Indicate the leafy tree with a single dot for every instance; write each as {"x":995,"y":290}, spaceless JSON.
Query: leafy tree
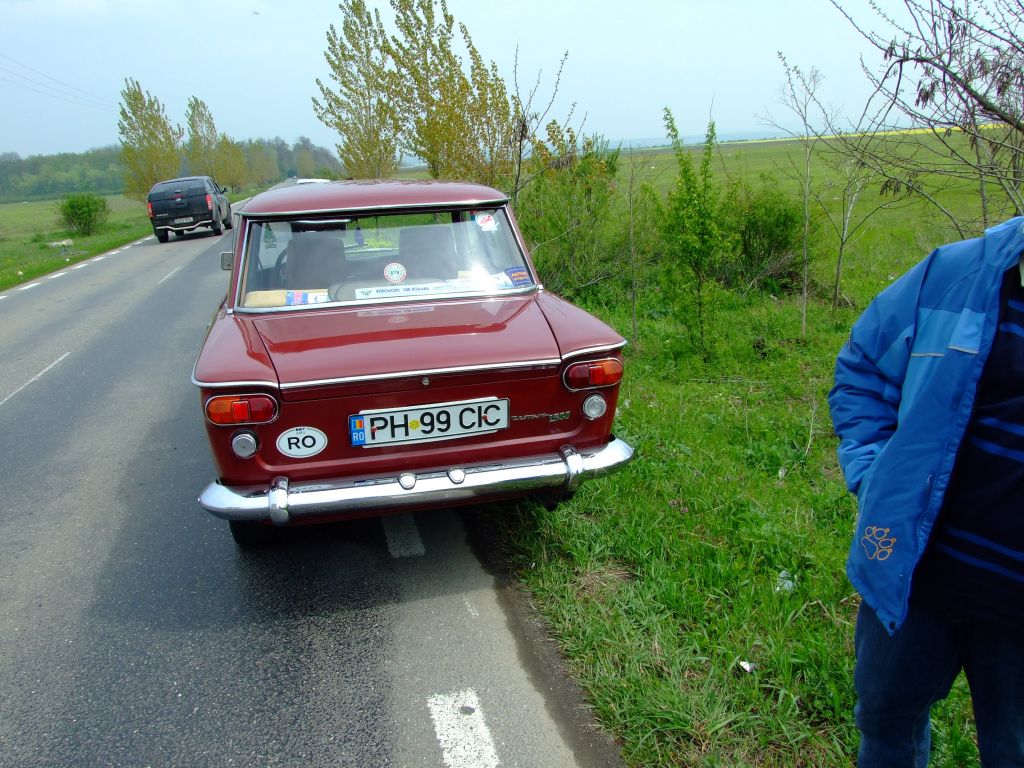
{"x":150,"y":144}
{"x":360,"y":109}
{"x":202,"y":137}
{"x":693,"y":243}
{"x":229,"y":165}
{"x":956,"y":70}
{"x":566,"y":212}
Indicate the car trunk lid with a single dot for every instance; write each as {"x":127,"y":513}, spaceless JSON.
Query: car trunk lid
{"x":390,"y":348}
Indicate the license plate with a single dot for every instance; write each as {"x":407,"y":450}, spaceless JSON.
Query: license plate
{"x":424,"y":423}
{"x":183,"y":220}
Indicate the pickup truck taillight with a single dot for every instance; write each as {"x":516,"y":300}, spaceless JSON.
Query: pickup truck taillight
{"x":209,"y":203}
{"x":149,"y":209}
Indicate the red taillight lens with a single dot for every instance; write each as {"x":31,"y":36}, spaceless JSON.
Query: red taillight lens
{"x":149,"y":209}
{"x":593,"y":373}
{"x":209,"y":203}
{"x":241,"y":409}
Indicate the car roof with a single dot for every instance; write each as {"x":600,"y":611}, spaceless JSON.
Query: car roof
{"x":335,"y":196}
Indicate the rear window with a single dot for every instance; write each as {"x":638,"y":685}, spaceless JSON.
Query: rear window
{"x":374,"y":258}
{"x":167,"y":190}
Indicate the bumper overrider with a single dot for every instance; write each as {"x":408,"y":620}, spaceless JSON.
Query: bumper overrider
{"x":284,"y":501}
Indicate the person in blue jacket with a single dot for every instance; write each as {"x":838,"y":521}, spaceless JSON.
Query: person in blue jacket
{"x":928,"y":404}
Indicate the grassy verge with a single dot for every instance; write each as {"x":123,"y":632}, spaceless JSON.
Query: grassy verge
{"x":27,"y":229}
{"x":699,"y":595}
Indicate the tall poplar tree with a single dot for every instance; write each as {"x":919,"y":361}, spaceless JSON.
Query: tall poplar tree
{"x":202,"y":138}
{"x":150,"y":144}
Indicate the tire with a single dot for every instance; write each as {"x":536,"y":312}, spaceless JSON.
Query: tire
{"x":161,"y":235}
{"x":228,"y":223}
{"x":218,"y":227}
{"x":248,"y":533}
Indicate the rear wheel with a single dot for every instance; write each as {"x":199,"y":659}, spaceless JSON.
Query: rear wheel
{"x":161,"y":235}
{"x":218,"y":227}
{"x":248,"y":533}
{"x":228,"y":224}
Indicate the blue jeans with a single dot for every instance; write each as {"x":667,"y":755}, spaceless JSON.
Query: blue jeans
{"x":899,"y":677}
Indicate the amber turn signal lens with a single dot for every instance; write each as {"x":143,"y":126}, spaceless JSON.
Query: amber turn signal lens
{"x":241,"y":409}
{"x":593,"y":373}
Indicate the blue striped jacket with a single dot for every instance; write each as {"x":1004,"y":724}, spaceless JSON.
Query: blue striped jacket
{"x":904,"y":390}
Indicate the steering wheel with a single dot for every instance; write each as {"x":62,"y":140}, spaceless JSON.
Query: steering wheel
{"x":280,"y":265}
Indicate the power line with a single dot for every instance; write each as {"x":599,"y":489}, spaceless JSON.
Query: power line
{"x":102,"y":108}
{"x":63,"y":90}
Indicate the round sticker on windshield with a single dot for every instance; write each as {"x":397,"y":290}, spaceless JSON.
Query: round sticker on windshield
{"x":301,"y":442}
{"x":394,"y":272}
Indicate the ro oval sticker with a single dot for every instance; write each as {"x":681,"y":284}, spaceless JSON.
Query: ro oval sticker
{"x":301,"y":442}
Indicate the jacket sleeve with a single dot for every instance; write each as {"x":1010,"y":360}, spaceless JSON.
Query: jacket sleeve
{"x":869,"y":375}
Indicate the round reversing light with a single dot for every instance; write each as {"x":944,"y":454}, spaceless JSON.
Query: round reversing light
{"x":594,"y":407}
{"x":244,"y":445}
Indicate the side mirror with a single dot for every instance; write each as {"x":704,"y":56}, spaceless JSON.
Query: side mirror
{"x":227,"y":260}
{"x":223,"y":190}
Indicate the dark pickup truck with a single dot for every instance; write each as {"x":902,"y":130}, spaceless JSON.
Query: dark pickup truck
{"x":182,"y":205}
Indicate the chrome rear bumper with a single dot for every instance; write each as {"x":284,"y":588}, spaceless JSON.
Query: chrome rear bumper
{"x":283,"y":501}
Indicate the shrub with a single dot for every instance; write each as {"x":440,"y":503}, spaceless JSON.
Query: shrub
{"x":84,"y":213}
{"x":767,"y":226}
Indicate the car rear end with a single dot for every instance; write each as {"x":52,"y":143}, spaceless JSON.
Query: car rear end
{"x":180,"y":205}
{"x":409,"y":360}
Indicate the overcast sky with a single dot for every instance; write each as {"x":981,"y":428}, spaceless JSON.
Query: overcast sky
{"x":63,"y":63}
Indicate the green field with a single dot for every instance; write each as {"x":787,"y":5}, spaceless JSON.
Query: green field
{"x":27,"y":229}
{"x":698,"y":595}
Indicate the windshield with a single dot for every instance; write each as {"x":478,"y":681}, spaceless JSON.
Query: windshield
{"x":381,"y":257}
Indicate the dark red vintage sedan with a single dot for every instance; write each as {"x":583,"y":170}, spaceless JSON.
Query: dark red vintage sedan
{"x":387,"y":346}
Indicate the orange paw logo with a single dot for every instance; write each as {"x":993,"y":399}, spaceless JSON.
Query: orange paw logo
{"x":877,"y":543}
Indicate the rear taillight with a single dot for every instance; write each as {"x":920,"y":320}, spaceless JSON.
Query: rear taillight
{"x":241,"y":409}
{"x":149,"y":209}
{"x":593,"y":373}
{"x":209,"y":203}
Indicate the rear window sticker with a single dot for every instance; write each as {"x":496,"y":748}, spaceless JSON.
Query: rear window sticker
{"x":519,"y":276}
{"x":294,"y":298}
{"x":395,"y":272}
{"x":486,"y":222}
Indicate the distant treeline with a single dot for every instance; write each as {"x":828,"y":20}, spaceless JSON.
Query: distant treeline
{"x":102,"y":172}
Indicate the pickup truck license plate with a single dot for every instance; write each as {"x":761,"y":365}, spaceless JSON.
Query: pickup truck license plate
{"x":424,"y":423}
{"x":183,"y":220}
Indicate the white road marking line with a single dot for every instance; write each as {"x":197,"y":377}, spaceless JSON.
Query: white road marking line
{"x":459,"y":724}
{"x":3,"y":297}
{"x":26,"y":287}
{"x":79,"y":266}
{"x":403,"y":536}
{"x":34,"y":378}
{"x":168,"y":275}
{"x":98,"y":258}
{"x":56,"y":275}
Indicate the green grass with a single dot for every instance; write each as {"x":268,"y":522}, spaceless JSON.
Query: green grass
{"x":26,"y":229}
{"x":659,"y":582}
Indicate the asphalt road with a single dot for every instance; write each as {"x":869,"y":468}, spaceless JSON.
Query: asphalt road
{"x":134,"y":633}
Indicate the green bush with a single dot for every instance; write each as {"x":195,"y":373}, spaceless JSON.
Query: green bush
{"x":767,"y":226}
{"x":83,"y":214}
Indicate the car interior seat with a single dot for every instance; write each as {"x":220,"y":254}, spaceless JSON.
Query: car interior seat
{"x":315,"y":262}
{"x":428,"y":251}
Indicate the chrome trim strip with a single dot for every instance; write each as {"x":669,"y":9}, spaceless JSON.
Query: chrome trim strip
{"x":424,"y":372}
{"x":282,"y":501}
{"x":370,"y":209}
{"x":226,"y":384}
{"x":593,"y":350}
